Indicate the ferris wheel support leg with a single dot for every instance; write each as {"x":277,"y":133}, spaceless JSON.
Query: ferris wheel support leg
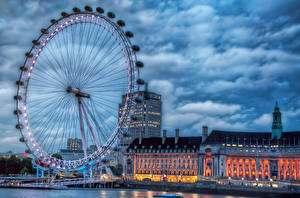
{"x":82,"y":127}
{"x":90,"y":127}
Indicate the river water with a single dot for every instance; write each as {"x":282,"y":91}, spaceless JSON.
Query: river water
{"x":28,"y":193}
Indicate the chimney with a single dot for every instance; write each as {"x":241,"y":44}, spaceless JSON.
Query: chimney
{"x":164,"y":136}
{"x":204,"y":133}
{"x":176,"y":135}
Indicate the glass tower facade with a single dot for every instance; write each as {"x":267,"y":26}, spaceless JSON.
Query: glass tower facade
{"x":146,"y":118}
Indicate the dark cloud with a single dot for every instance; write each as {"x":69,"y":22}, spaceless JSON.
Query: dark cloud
{"x":199,"y":55}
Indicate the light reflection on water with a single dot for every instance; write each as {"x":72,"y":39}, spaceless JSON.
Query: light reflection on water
{"x":28,"y":193}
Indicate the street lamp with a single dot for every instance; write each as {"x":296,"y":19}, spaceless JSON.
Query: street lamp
{"x":271,"y":180}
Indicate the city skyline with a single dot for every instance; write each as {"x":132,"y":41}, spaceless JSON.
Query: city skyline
{"x":217,"y":64}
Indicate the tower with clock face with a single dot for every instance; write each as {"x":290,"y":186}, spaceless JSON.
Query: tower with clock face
{"x":277,"y":124}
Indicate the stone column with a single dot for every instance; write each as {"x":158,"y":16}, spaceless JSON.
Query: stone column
{"x":244,"y":168}
{"x":269,"y":173}
{"x":257,"y":168}
{"x":238,"y":168}
{"x":232,"y":163}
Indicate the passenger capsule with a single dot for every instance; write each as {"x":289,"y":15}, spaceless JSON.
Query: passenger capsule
{"x":53,"y":21}
{"x":28,"y":54}
{"x":64,"y":14}
{"x":111,"y":15}
{"x":129,"y":34}
{"x":22,"y":139}
{"x":19,"y":82}
{"x":88,"y":8}
{"x":23,"y":68}
{"x":139,"y":64}
{"x":17,"y":112}
{"x":140,"y":81}
{"x":135,"y":48}
{"x":44,"y":31}
{"x":36,"y":42}
{"x":19,"y":126}
{"x":17,"y":97}
{"x":121,"y":23}
{"x":100,"y":10}
{"x":76,"y":10}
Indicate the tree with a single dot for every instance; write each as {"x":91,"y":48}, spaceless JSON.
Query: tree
{"x":2,"y":166}
{"x":24,"y":170}
{"x":27,"y":163}
{"x":57,"y":156}
{"x":13,"y":165}
{"x":117,"y":170}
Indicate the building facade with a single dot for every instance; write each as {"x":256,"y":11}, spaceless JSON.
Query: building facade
{"x":74,"y":144}
{"x":146,"y":118}
{"x":170,"y":159}
{"x":221,"y":154}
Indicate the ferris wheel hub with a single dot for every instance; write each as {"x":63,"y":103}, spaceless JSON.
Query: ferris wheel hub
{"x":77,"y":92}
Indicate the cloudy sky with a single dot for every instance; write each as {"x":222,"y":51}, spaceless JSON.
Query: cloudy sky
{"x":220,"y":63}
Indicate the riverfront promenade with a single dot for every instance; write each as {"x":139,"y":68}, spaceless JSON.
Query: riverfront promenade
{"x":216,"y":186}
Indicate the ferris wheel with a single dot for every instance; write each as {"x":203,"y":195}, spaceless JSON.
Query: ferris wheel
{"x":71,"y":85}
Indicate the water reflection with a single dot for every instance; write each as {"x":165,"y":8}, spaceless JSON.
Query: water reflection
{"x":26,"y":193}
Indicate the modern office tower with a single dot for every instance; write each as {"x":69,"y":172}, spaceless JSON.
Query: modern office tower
{"x":74,"y":144}
{"x":145,"y":120}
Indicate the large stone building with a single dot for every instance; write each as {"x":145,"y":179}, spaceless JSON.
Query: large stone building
{"x":223,"y":154}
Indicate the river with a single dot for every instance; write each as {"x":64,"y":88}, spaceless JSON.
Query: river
{"x":29,"y":193}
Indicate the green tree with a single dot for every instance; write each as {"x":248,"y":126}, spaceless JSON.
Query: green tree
{"x":3,"y":166}
{"x":13,"y":165}
{"x":24,"y":170}
{"x":117,"y":170}
{"x":57,"y":156}
{"x":27,"y":163}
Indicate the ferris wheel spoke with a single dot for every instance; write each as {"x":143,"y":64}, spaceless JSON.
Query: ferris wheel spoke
{"x":58,"y":62}
{"x":61,"y":127}
{"x":94,"y":69}
{"x":98,"y":123}
{"x":95,"y":41}
{"x":107,"y":101}
{"x":45,"y":66}
{"x":52,"y":120}
{"x":100,"y":76}
{"x":57,"y":123}
{"x":103,"y":58}
{"x":100,"y":58}
{"x":66,"y":67}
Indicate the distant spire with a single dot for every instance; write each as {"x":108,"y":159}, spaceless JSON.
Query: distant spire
{"x":277,"y":124}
